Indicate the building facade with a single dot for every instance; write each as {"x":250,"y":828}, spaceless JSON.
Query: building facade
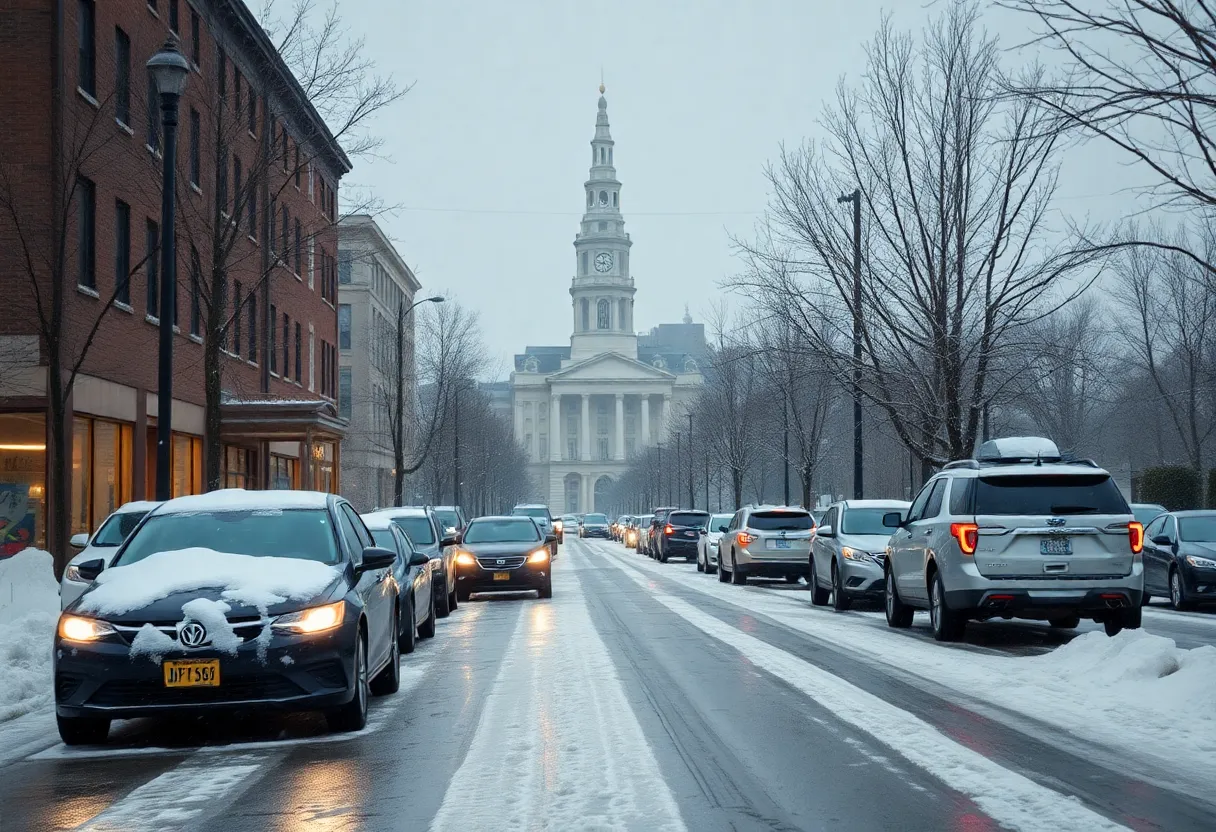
{"x":374,"y":284}
{"x":80,"y":159}
{"x":582,"y":412}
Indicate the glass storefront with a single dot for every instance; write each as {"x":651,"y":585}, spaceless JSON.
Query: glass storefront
{"x":239,"y":468}
{"x":323,"y":478}
{"x":22,"y":482}
{"x":187,"y":465}
{"x":102,"y":456}
{"x":283,"y":472}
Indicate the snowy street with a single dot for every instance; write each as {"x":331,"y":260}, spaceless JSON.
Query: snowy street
{"x":646,"y":696}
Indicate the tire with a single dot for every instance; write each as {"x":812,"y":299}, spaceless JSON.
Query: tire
{"x":1113,"y":626}
{"x":1072,"y":622}
{"x":791,"y":579}
{"x":443,"y":607}
{"x":388,"y":680}
{"x":899,"y":614}
{"x":545,"y":591}
{"x":463,"y":594}
{"x":841,"y":602}
{"x":353,"y":715}
{"x":83,"y":730}
{"x":1130,"y":619}
{"x":407,"y":636}
{"x":662,"y":556}
{"x":948,"y":625}
{"x":736,"y":577}
{"x":1178,"y":599}
{"x":819,"y":595}
{"x":454,"y":599}
{"x":710,"y":568}
{"x":427,"y":628}
{"x":723,"y":572}
{"x":700,"y":565}
{"x":1145,"y":599}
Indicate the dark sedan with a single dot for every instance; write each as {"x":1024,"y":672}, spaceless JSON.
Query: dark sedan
{"x":231,"y":601}
{"x":412,"y":572}
{"x":504,"y":554}
{"x":595,"y":525}
{"x":1180,"y":558}
{"x":425,"y":530}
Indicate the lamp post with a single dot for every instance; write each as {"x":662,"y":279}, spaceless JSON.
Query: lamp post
{"x":692,"y":498}
{"x":855,"y":198}
{"x":676,"y":476}
{"x":399,"y":437}
{"x":169,"y":71}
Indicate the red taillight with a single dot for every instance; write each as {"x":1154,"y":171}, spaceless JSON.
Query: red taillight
{"x":1135,"y":534}
{"x":745,"y":539}
{"x":668,"y":529}
{"x":967,"y":535}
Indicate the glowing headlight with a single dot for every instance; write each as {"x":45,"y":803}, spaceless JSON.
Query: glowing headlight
{"x":312,"y":620}
{"x":1202,"y":563}
{"x":76,"y":628}
{"x":539,"y":556}
{"x":465,"y":559}
{"x":856,"y":555}
{"x":558,"y":526}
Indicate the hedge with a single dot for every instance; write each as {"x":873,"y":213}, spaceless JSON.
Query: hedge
{"x":1177,"y":487}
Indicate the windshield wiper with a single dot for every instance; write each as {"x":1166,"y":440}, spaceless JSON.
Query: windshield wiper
{"x":1067,"y":509}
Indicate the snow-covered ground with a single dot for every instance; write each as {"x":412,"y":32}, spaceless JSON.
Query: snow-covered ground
{"x":29,"y":608}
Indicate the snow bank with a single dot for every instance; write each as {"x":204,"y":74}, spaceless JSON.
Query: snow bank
{"x":243,"y":579}
{"x":29,"y":610}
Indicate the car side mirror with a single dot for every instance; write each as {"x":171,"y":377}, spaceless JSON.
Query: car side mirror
{"x":375,"y":558}
{"x":451,"y":540}
{"x":550,"y":538}
{"x":419,"y":559}
{"x":90,"y":569}
{"x":825,"y":531}
{"x":893,"y":519}
{"x":1163,"y":540}
{"x":79,"y":541}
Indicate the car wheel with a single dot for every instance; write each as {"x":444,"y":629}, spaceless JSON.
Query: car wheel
{"x":545,"y":591}
{"x":453,"y":600}
{"x":840,"y":601}
{"x":389,"y":679}
{"x":83,"y":730}
{"x":723,"y":572}
{"x":1129,"y":619}
{"x":700,"y":565}
{"x":1145,"y":599}
{"x":736,"y":577}
{"x":662,"y":556}
{"x":1069,"y":623}
{"x":442,"y":606}
{"x":710,"y":568}
{"x":1178,"y":599}
{"x":463,"y":594}
{"x":948,"y":625}
{"x":427,"y":628}
{"x":407,"y":639}
{"x":899,"y":614}
{"x":353,"y":715}
{"x":819,"y":596}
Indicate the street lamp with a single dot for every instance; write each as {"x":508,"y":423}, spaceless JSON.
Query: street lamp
{"x":169,"y":71}
{"x":855,"y":198}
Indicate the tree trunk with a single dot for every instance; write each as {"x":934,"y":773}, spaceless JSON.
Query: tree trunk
{"x":213,"y":447}
{"x":58,"y":526}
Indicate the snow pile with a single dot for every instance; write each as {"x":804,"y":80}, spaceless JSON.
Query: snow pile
{"x":258,"y":582}
{"x":29,"y":610}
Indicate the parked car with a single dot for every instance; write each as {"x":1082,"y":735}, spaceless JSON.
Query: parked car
{"x":680,"y":535}
{"x":1180,"y":558}
{"x":102,"y":546}
{"x":849,"y":551}
{"x":766,"y":542}
{"x":707,"y":544}
{"x":539,"y":513}
{"x":425,"y":532}
{"x":657,"y":519}
{"x":569,"y":524}
{"x":1147,"y":512}
{"x":451,"y":519}
{"x":594,"y":525}
{"x":413,"y":574}
{"x":307,"y":620}
{"x":1017,"y":532}
{"x":641,"y":530}
{"x":504,"y":554}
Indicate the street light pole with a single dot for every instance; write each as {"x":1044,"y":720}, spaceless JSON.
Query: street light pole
{"x":169,"y":70}
{"x":692,"y":499}
{"x":676,"y":477}
{"x":855,"y":198}
{"x":399,"y":433}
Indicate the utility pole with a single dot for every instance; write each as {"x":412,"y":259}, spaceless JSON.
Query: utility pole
{"x":658,"y":494}
{"x":676,"y":476}
{"x":692,"y":500}
{"x":855,"y":198}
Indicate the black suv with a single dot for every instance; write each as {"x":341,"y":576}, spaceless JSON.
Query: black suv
{"x":679,"y":535}
{"x":657,"y":520}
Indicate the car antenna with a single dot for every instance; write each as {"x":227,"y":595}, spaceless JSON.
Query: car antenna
{"x":1038,"y":460}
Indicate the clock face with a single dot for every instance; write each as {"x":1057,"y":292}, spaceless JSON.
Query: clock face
{"x":603,"y":261}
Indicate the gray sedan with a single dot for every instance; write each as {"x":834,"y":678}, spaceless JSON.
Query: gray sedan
{"x":849,"y":550}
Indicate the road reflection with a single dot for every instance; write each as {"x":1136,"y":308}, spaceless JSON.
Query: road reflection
{"x":324,"y":796}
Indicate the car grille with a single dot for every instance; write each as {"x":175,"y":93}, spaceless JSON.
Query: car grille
{"x":247,"y":628}
{"x":329,"y":674}
{"x":136,"y":693}
{"x":506,"y":562}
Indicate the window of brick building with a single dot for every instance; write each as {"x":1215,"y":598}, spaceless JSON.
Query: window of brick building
{"x":299,"y":353}
{"x":86,"y":231}
{"x":236,"y":318}
{"x":286,"y":346}
{"x":152,"y":268}
{"x":122,"y":252}
{"x":195,"y":50}
{"x":196,"y":288}
{"x":196,"y":163}
{"x":272,"y":347}
{"x":174,"y":18}
{"x":252,"y":303}
{"x":86,"y":58}
{"x":122,"y":76}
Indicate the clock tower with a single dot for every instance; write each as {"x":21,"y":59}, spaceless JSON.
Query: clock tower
{"x":602,"y":289}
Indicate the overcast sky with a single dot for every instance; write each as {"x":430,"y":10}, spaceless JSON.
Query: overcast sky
{"x":489,"y":151}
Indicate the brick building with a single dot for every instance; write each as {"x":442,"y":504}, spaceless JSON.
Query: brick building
{"x":80,"y":194}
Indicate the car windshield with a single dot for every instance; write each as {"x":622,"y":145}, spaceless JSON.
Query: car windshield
{"x":449,"y":518}
{"x":540,"y":513}
{"x":689,"y":518}
{"x":865,"y":521}
{"x":417,"y":529}
{"x":1048,"y":494}
{"x":115,"y":530}
{"x":1146,"y":514}
{"x":719,"y":522}
{"x":1199,"y":529}
{"x":780,"y":521}
{"x":501,"y":530}
{"x":306,"y":534}
{"x":596,"y":520}
{"x":384,"y":539}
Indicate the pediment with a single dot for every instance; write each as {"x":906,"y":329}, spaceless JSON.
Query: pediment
{"x":611,"y":366}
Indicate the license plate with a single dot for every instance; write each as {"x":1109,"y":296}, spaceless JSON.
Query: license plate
{"x":192,"y":673}
{"x":1055,"y":546}
{"x":782,"y":544}
{"x":502,"y":576}
{"x":690,"y":534}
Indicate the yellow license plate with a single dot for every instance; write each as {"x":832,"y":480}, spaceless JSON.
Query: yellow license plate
{"x":192,"y":673}
{"x":502,"y":576}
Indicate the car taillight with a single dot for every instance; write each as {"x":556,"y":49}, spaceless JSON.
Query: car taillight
{"x":745,"y":539}
{"x":668,"y":529}
{"x":1135,"y":534}
{"x":967,"y":535}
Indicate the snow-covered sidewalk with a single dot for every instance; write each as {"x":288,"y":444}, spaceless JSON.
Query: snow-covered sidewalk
{"x":29,"y":609}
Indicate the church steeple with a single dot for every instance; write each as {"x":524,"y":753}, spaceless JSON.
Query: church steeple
{"x":602,"y":290}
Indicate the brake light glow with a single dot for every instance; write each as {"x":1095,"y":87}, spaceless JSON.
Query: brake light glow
{"x":1135,"y":534}
{"x":745,"y":539}
{"x":967,"y":535}
{"x":668,"y":529}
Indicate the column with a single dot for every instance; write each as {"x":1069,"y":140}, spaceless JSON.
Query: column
{"x":620,"y":426}
{"x":584,"y":439}
{"x":645,"y":443}
{"x":519,"y":422}
{"x":585,"y":487}
{"x":555,"y":427}
{"x":534,"y":451}
{"x":664,"y":417}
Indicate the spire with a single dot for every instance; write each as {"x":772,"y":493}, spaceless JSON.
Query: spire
{"x":687,"y":315}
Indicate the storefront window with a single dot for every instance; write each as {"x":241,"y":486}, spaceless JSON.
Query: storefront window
{"x":22,"y":482}
{"x":283,"y":472}
{"x":323,"y":478}
{"x":101,"y":471}
{"x":238,"y":468}
{"x":82,"y":475}
{"x":187,"y":465}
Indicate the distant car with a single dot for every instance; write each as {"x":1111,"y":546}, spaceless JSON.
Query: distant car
{"x":504,"y":554}
{"x":1145,"y":513}
{"x":657,"y":519}
{"x":680,"y":535}
{"x":849,"y":551}
{"x":642,"y":529}
{"x":101,"y":546}
{"x":231,"y":600}
{"x":595,"y":525}
{"x":412,"y":573}
{"x":425,"y":532}
{"x":707,"y":544}
{"x":451,"y":518}
{"x":539,"y":513}
{"x":1180,"y":558}
{"x":766,"y":542}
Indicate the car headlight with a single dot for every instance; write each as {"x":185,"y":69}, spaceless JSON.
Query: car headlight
{"x":1201,"y":563}
{"x":313,"y":619}
{"x":78,"y":628}
{"x":856,"y":555}
{"x":465,"y":559}
{"x":539,"y":556}
{"x":557,"y":526}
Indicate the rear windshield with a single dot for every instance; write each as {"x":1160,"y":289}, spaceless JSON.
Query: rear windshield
{"x":866,"y":521}
{"x":542,"y":512}
{"x":780,"y":521}
{"x":306,"y":534}
{"x":689,"y":518}
{"x":449,"y":518}
{"x":502,"y":530}
{"x":115,"y":530}
{"x":417,"y":529}
{"x":1199,"y":529}
{"x":1049,"y":494}
{"x":719,"y":522}
{"x":1146,"y":514}
{"x":598,"y":519}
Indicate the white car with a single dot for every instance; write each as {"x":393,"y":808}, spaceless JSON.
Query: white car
{"x":101,"y":547}
{"x":707,"y":546}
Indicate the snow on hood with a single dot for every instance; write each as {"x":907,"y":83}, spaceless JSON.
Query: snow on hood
{"x":243,"y":579}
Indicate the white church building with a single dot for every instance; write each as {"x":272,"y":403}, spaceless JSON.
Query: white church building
{"x":582,"y":412}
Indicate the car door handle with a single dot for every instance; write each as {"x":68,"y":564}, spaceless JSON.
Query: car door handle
{"x":927,"y":532}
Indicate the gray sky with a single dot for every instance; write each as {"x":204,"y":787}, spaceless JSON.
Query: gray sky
{"x":489,"y":151}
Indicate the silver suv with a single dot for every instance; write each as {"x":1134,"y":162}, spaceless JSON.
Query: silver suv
{"x":848,"y":552}
{"x":1016,"y":533}
{"x":765,"y":542}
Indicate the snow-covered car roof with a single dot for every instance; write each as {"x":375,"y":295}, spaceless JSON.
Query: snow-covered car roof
{"x":137,"y":505}
{"x":239,"y":499}
{"x":876,"y":503}
{"x":378,"y":520}
{"x":397,"y":511}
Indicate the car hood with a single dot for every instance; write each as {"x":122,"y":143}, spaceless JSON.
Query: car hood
{"x":1203,"y":550}
{"x":168,"y":610}
{"x":865,"y":542}
{"x":497,"y":549}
